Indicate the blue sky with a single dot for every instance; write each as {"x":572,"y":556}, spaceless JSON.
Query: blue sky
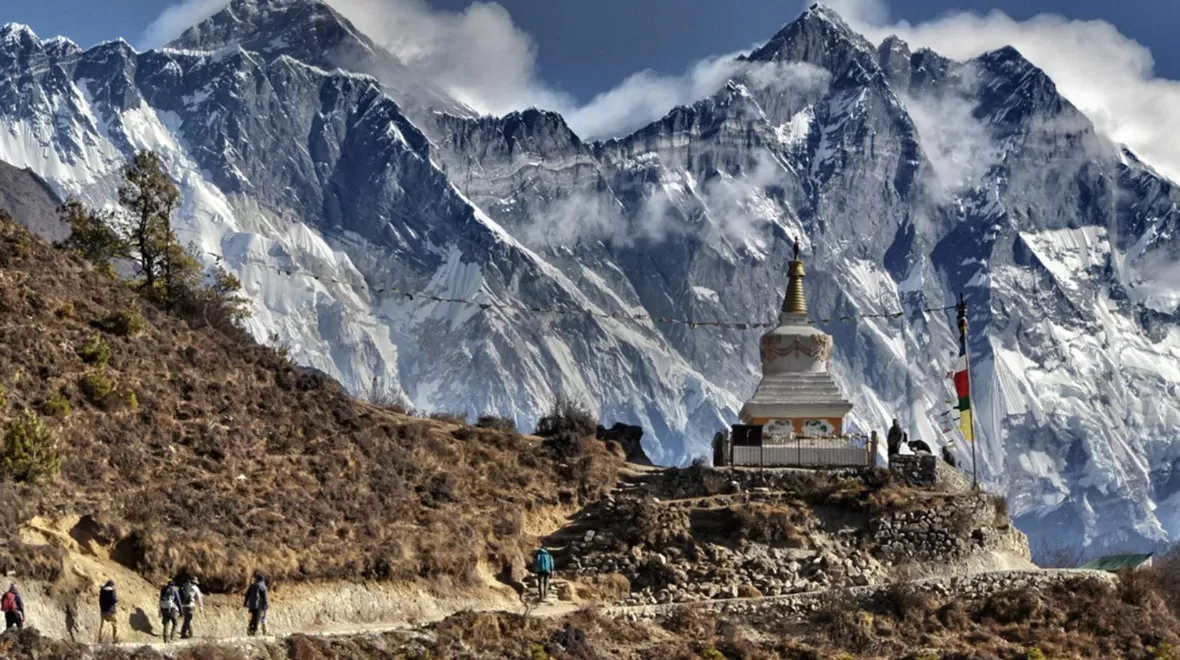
{"x":585,"y":47}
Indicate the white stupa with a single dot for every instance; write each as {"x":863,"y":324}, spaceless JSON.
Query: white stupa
{"x":797,"y":394}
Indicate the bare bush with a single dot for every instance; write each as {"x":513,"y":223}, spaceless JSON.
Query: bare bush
{"x":567,"y":417}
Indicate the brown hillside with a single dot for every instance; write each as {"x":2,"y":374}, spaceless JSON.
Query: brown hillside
{"x":215,"y":455}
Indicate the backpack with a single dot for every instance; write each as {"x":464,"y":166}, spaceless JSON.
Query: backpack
{"x":252,"y":597}
{"x":188,"y":595}
{"x":8,"y":604}
{"x":168,"y":599}
{"x":543,"y":562}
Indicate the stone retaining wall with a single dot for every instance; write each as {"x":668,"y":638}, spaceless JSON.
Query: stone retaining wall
{"x":928,"y":471}
{"x":799,"y":606}
{"x":704,"y":482}
{"x":947,"y":528}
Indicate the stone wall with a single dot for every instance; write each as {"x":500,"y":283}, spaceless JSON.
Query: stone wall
{"x":947,"y":527}
{"x":928,"y":471}
{"x":796,"y":607}
{"x":919,"y":470}
{"x":704,"y":481}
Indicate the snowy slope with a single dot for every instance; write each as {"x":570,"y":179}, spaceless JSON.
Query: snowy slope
{"x":909,"y":177}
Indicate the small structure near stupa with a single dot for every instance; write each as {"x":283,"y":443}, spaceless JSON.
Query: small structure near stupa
{"x":796,"y":416}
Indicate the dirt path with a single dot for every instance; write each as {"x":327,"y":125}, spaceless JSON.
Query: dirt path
{"x":563,"y":608}
{"x":547,"y":610}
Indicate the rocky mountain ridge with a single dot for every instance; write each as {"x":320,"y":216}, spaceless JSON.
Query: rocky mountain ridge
{"x":910,"y":178}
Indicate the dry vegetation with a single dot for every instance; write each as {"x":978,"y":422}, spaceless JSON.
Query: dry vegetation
{"x":1083,"y":619}
{"x":196,"y":450}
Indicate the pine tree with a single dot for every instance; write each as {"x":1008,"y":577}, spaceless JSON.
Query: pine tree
{"x":169,"y":273}
{"x":149,"y":197}
{"x":29,"y":452}
{"x":91,"y":236}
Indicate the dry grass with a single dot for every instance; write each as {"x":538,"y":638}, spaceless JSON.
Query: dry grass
{"x":229,"y":460}
{"x":1081,"y":619}
{"x":773,"y":524}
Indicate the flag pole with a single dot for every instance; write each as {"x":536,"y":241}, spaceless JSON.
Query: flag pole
{"x":961,"y":308}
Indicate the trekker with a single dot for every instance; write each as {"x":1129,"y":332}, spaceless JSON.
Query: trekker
{"x":893,"y":440}
{"x":543,"y":565}
{"x":190,"y":601}
{"x":108,"y":607}
{"x":14,"y":608}
{"x":169,"y":608}
{"x":257,"y":602}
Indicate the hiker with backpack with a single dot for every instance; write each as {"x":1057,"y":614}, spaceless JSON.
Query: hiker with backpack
{"x":257,"y":603}
{"x":169,"y":608}
{"x":108,"y":608}
{"x":190,"y":601}
{"x":14,"y":608}
{"x":543,"y":567}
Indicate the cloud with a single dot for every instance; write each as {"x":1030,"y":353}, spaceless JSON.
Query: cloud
{"x":1107,"y":75}
{"x":646,"y":97}
{"x":482,"y":58}
{"x":735,"y":206}
{"x":478,"y":55}
{"x":177,"y":18}
{"x":958,"y":145}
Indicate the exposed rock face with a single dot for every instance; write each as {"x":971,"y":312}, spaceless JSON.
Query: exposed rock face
{"x":31,"y":202}
{"x":629,"y":438}
{"x":912,"y":177}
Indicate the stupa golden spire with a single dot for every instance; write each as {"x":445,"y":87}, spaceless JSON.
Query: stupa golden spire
{"x":796,"y":301}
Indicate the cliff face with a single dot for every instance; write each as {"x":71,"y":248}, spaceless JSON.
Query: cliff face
{"x":31,"y":202}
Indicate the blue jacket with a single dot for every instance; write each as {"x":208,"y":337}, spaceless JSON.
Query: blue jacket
{"x":543,"y":561}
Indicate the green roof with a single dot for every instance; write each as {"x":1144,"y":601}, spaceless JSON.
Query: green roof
{"x":1115,"y":562}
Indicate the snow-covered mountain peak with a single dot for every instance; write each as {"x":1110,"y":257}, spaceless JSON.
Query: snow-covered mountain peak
{"x":821,"y":38}
{"x":503,"y":260}
{"x":15,"y":31}
{"x":311,"y":31}
{"x":306,"y":29}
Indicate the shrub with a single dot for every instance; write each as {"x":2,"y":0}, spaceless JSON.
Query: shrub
{"x":496,"y":423}
{"x":57,"y":405}
{"x":30,"y":450}
{"x":3,"y":398}
{"x":1164,"y":651}
{"x":96,"y":352}
{"x":1034,"y":653}
{"x":567,"y":416}
{"x":91,"y":236}
{"x":65,"y":311}
{"x":450,"y":418}
{"x":537,"y":652}
{"x":95,"y":386}
{"x":565,"y":446}
{"x":712,"y":653}
{"x":125,"y":323}
{"x":132,"y":401}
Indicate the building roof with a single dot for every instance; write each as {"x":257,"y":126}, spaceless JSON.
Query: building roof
{"x":1116,"y":562}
